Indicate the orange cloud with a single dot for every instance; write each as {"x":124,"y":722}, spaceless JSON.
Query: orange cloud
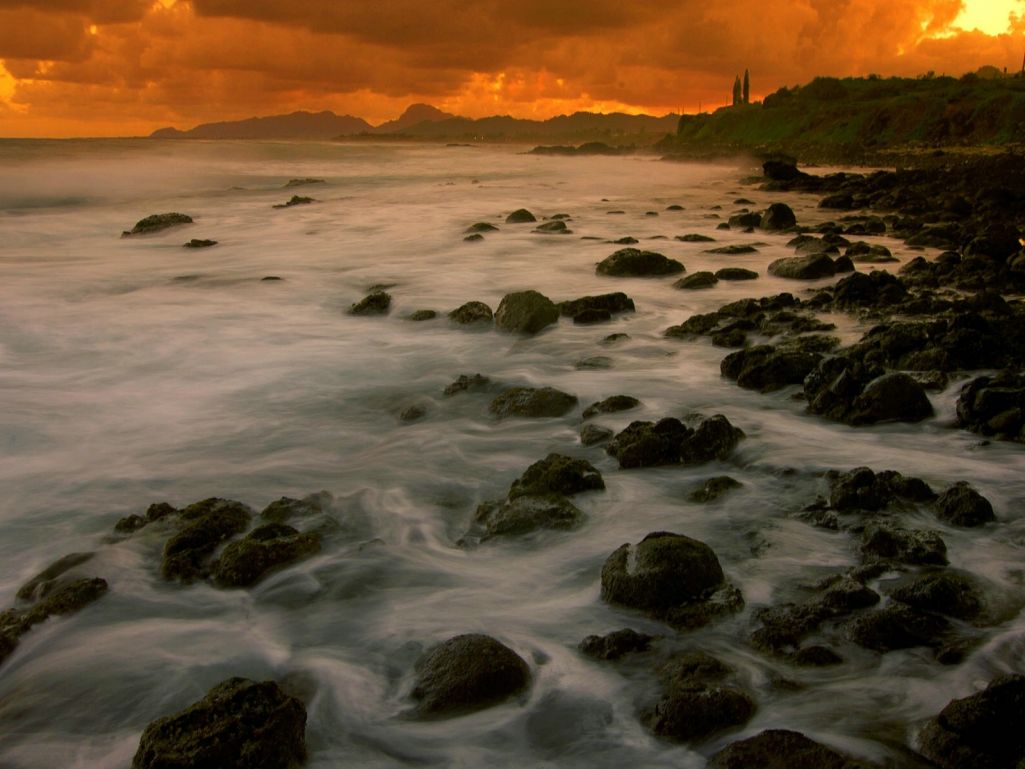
{"x":92,"y":67}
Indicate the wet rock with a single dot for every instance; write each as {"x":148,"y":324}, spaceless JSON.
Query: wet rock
{"x":841,"y":201}
{"x":206,"y":525}
{"x":303,"y":182}
{"x":557,"y":474}
{"x":246,"y":561}
{"x":296,"y":200}
{"x":980,"y":731}
{"x":156,"y":223}
{"x":413,"y":413}
{"x":669,"y":441}
{"x":961,"y":505}
{"x":781,"y":749}
{"x":670,"y":577}
{"x":615,"y":645}
{"x":586,"y":317}
{"x":626,"y":241}
{"x":714,"y":488}
{"x":239,"y":724}
{"x":778,"y":216}
{"x":848,"y":391}
{"x":874,"y":254}
{"x":994,"y":406}
{"x":734,"y":250}
{"x":816,"y":656}
{"x":894,"y":543}
{"x":289,"y":508}
{"x":520,"y":216}
{"x":811,"y":267}
{"x":896,"y":627}
{"x":525,"y":312}
{"x":944,"y":592}
{"x":592,"y":435}
{"x":876,"y":289}
{"x":698,"y":280}
{"x":474,"y":238}
{"x":556,"y":227}
{"x":532,"y":402}
{"x":695,"y":237}
{"x":65,"y":597}
{"x":467,"y":383}
{"x":631,"y":262}
{"x":422,"y":315}
{"x":479,"y":227}
{"x":735,"y":273}
{"x":375,"y":303}
{"x":767,"y":368}
{"x":522,"y":515}
{"x":611,"y":405}
{"x":863,"y":489}
{"x":606,"y":304}
{"x":200,"y":243}
{"x":46,"y":580}
{"x":472,"y":313}
{"x":465,"y":674}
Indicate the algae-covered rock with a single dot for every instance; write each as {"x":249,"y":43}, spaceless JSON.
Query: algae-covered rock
{"x":557,"y":474}
{"x":524,"y":514}
{"x":206,"y":525}
{"x":374,"y":303}
{"x":239,"y":724}
{"x":525,"y":312}
{"x":532,"y":402}
{"x":465,"y":674}
{"x":961,"y":505}
{"x":472,"y":313}
{"x":246,"y":561}
{"x":632,"y":262}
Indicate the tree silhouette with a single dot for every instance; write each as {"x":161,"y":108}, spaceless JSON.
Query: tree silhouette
{"x":736,"y":91}
{"x":747,"y":87}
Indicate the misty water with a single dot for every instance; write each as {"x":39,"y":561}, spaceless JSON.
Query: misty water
{"x":134,"y":370}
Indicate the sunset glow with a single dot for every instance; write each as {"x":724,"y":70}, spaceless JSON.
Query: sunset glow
{"x":123,"y":67}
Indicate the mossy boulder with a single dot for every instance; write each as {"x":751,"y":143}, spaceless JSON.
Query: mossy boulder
{"x":41,"y":584}
{"x":961,"y":505}
{"x":374,"y":303}
{"x":632,"y":262}
{"x":465,"y":674}
{"x":557,"y":474}
{"x":246,"y":561}
{"x":239,"y":724}
{"x":532,"y":402}
{"x":810,"y":267}
{"x":204,"y":526}
{"x":778,"y":216}
{"x":520,"y":216}
{"x":472,"y":313}
{"x":611,"y":405}
{"x":615,"y":645}
{"x":525,"y":312}
{"x":522,"y":515}
{"x":782,"y":749}
{"x":697,"y":280}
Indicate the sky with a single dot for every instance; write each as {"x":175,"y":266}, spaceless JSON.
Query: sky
{"x":127,"y":67}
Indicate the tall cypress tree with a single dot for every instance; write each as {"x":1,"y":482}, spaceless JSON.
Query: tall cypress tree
{"x":747,"y":87}
{"x":736,"y":91}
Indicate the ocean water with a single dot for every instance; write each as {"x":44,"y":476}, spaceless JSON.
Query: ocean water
{"x":134,"y":370}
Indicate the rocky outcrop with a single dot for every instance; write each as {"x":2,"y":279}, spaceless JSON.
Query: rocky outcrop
{"x":239,"y":724}
{"x":846,"y":390}
{"x":557,"y":474}
{"x":204,"y":526}
{"x":994,"y":406}
{"x":669,"y":441}
{"x":465,"y":674}
{"x":246,"y":561}
{"x":768,"y":368}
{"x":532,"y":403}
{"x":156,"y":223}
{"x":961,"y":505}
{"x":472,"y":313}
{"x":595,"y":309}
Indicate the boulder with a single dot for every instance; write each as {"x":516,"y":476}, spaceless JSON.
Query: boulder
{"x":205,"y":525}
{"x":811,"y":267}
{"x":611,"y":405}
{"x":480,"y":227}
{"x":841,"y":201}
{"x":465,"y":674}
{"x":200,"y":243}
{"x":246,"y":561}
{"x":695,"y":237}
{"x":863,"y":489}
{"x":781,"y":170}
{"x":615,"y":645}
{"x":523,"y":514}
{"x":781,"y":749}
{"x":474,"y":238}
{"x":607,"y":303}
{"x":557,"y":474}
{"x":669,"y":441}
{"x":156,"y":223}
{"x":961,"y":505}
{"x":767,"y":368}
{"x":374,"y":303}
{"x":697,"y":281}
{"x":713,"y":488}
{"x":715,"y":438}
{"x":697,"y":711}
{"x":46,"y":580}
{"x":945,"y":592}
{"x":525,"y":312}
{"x":670,"y":577}
{"x":896,"y":626}
{"x":467,"y":383}
{"x":592,"y":435}
{"x":778,"y":216}
{"x":734,"y":250}
{"x":287,"y":508}
{"x":745,"y":219}
{"x":894,"y":543}
{"x":419,"y":316}
{"x":876,"y":289}
{"x":520,"y":216}
{"x":980,"y":731}
{"x":994,"y":406}
{"x":239,"y":724}
{"x":556,"y":227}
{"x":472,"y":313}
{"x":532,"y":402}
{"x":631,"y":262}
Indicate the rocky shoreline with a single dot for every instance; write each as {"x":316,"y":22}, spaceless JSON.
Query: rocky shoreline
{"x":935,"y":320}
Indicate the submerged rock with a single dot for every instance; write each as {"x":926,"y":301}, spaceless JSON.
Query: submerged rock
{"x":46,"y":580}
{"x":422,"y":315}
{"x":465,"y":674}
{"x":698,"y":280}
{"x":611,"y":405}
{"x":296,"y":200}
{"x":631,"y":262}
{"x":525,"y":312}
{"x":156,"y":223}
{"x":472,"y":313}
{"x":734,"y":250}
{"x":615,"y":645}
{"x":532,"y":402}
{"x":374,"y":303}
{"x":605,"y":303}
{"x":735,"y":273}
{"x":557,"y":474}
{"x":289,"y":508}
{"x":481,"y":227}
{"x":200,"y":243}
{"x":944,"y":592}
{"x":714,"y":488}
{"x":980,"y":731}
{"x":524,"y":514}
{"x":555,"y":227}
{"x":520,"y":216}
{"x":466,"y":383}
{"x":863,"y":489}
{"x":894,"y":543}
{"x":994,"y":406}
{"x":848,"y":391}
{"x":811,"y":267}
{"x":781,"y":749}
{"x":239,"y":724}
{"x":592,"y":435}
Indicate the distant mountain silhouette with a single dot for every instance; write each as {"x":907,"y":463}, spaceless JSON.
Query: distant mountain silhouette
{"x":413,"y":116}
{"x":424,"y":122}
{"x":298,"y":125}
